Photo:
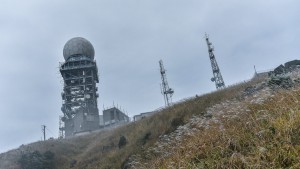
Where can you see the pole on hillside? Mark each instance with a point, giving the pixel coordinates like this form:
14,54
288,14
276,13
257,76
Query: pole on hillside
44,131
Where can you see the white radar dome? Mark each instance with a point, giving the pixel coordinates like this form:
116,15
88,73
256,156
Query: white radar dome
78,46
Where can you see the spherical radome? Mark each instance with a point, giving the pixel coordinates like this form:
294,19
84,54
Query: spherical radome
79,46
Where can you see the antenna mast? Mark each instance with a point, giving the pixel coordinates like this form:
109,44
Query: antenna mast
215,68
44,131
165,90
255,72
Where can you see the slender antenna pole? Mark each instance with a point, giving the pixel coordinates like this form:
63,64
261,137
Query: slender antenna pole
165,90
218,79
44,131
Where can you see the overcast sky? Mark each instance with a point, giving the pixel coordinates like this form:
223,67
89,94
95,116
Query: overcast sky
129,38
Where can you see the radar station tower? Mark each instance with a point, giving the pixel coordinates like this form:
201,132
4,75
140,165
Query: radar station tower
80,75
165,90
215,68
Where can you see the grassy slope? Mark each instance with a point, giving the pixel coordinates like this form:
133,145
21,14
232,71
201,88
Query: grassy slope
260,131
99,150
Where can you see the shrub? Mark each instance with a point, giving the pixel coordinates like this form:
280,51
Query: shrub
122,142
36,160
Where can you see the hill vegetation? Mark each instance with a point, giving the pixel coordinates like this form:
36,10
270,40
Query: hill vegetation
253,124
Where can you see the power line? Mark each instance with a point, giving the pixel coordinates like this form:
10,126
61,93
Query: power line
50,131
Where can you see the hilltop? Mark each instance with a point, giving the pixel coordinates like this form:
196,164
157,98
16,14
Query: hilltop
254,124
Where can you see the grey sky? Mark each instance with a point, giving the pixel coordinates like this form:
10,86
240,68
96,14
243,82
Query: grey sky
130,37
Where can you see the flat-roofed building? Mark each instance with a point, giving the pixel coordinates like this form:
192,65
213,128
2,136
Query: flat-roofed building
113,116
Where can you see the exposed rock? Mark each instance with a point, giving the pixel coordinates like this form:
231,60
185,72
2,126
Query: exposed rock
73,163
279,70
291,65
249,90
281,82
287,67
253,89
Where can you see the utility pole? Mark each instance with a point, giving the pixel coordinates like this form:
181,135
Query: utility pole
44,131
255,72
218,79
165,90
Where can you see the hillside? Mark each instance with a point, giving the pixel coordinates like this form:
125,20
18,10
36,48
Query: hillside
254,124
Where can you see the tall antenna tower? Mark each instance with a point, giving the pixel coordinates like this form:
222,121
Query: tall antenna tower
79,96
165,90
214,65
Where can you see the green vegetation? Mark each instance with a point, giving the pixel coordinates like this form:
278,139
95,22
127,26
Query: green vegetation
36,160
122,142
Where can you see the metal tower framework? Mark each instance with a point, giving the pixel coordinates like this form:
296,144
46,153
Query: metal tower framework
61,128
80,75
165,90
215,68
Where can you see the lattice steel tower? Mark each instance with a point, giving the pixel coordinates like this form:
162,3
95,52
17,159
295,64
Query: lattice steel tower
80,75
215,68
165,90
61,125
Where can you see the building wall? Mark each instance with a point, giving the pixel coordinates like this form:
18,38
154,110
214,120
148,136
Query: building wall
114,115
69,125
142,115
101,121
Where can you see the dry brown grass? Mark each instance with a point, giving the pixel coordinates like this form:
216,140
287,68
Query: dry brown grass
266,136
89,154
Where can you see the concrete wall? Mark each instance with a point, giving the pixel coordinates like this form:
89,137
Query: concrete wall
142,115
101,121
114,115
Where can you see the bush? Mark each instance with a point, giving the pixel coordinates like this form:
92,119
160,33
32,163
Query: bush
36,160
146,137
122,142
